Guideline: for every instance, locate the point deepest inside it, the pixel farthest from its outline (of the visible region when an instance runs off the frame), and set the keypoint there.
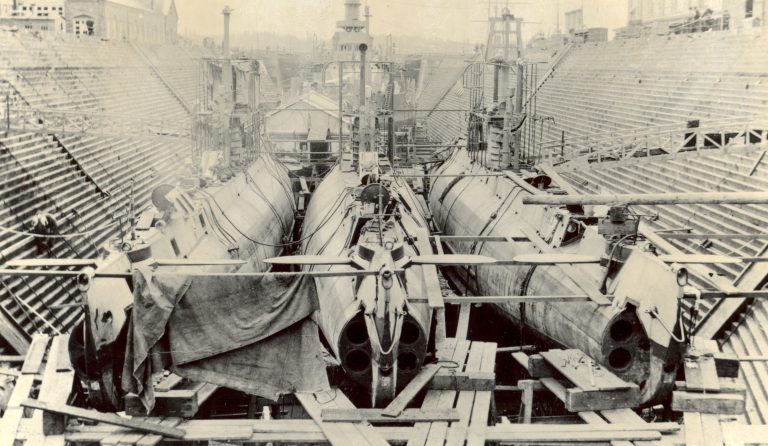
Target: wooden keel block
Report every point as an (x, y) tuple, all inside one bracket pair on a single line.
[(577, 400), (174, 402), (476, 381), (722, 403), (537, 366)]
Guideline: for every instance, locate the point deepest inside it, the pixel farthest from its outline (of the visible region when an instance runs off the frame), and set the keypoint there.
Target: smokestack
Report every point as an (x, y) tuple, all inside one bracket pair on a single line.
[(227, 11), (363, 48)]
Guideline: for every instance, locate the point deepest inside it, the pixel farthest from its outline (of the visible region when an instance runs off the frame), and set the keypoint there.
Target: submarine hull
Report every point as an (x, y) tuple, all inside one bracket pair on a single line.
[(616, 336), (247, 218), (335, 225)]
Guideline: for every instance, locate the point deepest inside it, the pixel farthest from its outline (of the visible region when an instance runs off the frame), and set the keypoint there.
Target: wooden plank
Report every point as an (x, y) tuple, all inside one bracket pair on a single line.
[(154, 439), (14, 336), (35, 354), (411, 390), (457, 300), (445, 349), (482, 403), (429, 272), (449, 379), (168, 383), (693, 431), (710, 381), (461, 352), (711, 430), (555, 387), (727, 385), (304, 186), (733, 435), (439, 430), (105, 418), (9, 372), (722, 403), (581, 371), (56, 386), (23, 386), (625, 416), (664, 427), (527, 400), (552, 436), (11, 358), (462, 327), (9, 424), (694, 380), (339, 433), (376, 415), (420, 431), (457, 431)]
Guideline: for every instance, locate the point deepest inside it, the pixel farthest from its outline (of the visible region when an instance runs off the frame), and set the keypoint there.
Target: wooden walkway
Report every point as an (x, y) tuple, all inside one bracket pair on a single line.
[(451, 402)]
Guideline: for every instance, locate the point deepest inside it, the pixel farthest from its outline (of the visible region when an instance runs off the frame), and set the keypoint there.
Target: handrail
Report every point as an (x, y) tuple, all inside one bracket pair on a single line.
[(162, 78), (670, 139), (566, 50), (77, 122)]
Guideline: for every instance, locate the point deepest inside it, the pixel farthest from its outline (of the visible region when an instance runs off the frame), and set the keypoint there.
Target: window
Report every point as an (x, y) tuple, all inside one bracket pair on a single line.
[(84, 25), (748, 8)]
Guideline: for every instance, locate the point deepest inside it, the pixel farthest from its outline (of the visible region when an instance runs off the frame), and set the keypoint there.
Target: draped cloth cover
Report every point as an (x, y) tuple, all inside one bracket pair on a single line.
[(244, 332)]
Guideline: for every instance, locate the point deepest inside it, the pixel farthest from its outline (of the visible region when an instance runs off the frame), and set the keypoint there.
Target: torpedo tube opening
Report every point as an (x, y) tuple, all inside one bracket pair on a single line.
[(356, 332), (407, 361), (357, 360), (620, 358), (621, 330), (411, 332)]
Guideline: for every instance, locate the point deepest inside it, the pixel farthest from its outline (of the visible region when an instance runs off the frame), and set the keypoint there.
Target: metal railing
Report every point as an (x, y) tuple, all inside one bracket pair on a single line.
[(65, 122), (649, 141)]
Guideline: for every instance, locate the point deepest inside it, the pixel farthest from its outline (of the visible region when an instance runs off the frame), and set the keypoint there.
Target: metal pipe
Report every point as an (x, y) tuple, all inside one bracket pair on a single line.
[(664, 198), (363, 49), (341, 105)]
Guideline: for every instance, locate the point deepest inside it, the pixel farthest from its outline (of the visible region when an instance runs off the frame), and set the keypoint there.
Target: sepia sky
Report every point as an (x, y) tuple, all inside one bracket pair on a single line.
[(456, 20)]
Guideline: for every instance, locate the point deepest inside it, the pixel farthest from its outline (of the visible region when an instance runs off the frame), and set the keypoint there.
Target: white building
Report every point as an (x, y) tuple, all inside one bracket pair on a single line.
[(45, 16), (741, 12)]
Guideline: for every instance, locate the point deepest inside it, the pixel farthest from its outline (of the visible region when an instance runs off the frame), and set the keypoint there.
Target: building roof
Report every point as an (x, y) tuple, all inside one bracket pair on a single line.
[(315, 100)]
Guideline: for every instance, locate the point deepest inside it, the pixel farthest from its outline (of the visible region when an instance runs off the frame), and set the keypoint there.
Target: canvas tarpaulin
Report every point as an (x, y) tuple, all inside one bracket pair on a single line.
[(246, 332)]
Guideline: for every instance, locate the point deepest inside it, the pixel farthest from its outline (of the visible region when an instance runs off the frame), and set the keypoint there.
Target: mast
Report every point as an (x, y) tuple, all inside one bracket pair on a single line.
[(518, 91), (226, 73)]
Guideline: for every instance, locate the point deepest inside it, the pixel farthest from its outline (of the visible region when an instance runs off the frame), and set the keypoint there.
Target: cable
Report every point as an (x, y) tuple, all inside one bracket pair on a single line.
[(325, 220)]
